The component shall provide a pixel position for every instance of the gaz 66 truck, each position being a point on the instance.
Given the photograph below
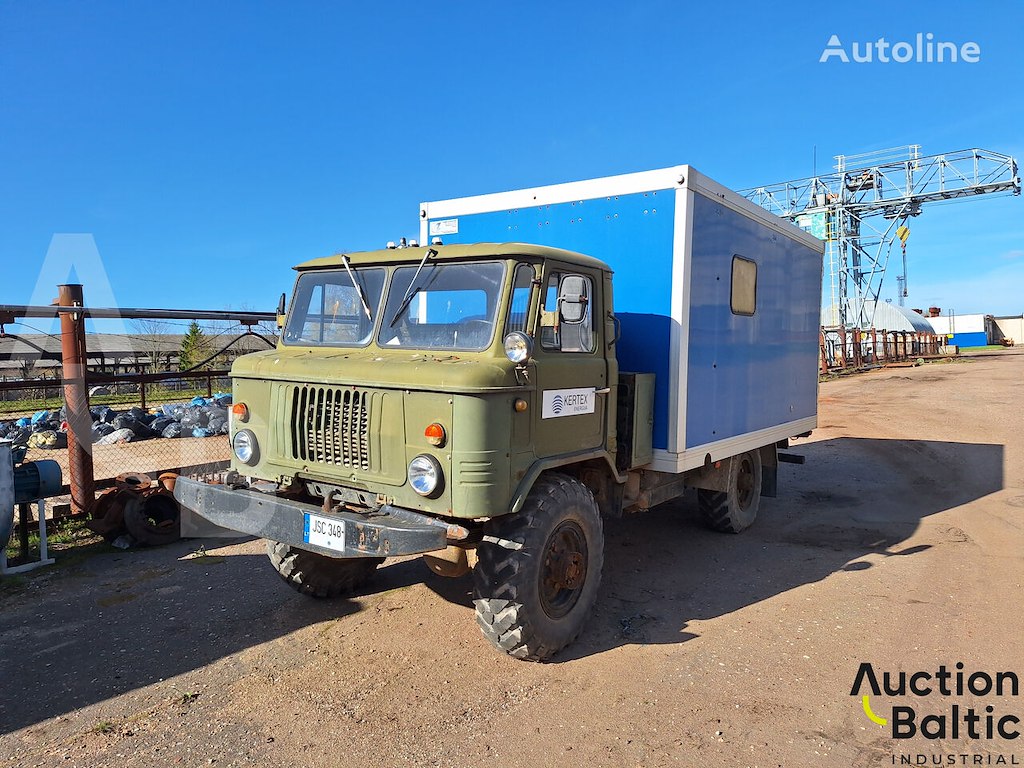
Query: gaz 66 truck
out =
(487, 398)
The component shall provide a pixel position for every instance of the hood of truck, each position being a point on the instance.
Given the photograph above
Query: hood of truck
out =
(405, 369)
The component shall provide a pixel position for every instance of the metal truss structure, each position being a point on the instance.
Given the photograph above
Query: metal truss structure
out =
(862, 207)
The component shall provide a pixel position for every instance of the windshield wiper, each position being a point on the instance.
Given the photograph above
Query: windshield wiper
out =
(358, 287)
(410, 293)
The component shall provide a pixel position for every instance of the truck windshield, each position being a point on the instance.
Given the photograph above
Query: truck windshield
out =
(452, 306)
(328, 311)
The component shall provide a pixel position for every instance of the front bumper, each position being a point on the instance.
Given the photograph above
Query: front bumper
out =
(385, 532)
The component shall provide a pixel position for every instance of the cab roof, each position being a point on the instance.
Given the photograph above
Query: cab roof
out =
(453, 253)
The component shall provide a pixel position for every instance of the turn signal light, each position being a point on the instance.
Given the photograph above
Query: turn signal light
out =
(240, 411)
(435, 434)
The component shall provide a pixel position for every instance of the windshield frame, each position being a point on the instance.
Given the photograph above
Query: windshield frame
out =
(388, 325)
(343, 279)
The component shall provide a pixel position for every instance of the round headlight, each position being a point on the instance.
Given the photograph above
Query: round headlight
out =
(425, 475)
(245, 447)
(518, 347)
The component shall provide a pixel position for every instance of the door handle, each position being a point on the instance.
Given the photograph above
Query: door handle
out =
(604, 391)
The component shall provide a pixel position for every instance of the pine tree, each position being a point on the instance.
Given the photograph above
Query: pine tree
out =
(193, 347)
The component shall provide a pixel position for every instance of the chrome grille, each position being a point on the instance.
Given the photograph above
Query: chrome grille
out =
(331, 426)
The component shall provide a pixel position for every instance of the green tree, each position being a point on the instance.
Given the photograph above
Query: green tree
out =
(193, 347)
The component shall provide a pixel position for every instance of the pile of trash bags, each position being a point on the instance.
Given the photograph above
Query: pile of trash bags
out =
(201, 417)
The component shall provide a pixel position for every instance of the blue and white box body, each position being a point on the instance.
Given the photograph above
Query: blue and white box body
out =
(736, 369)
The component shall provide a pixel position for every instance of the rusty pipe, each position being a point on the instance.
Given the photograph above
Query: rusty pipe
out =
(76, 400)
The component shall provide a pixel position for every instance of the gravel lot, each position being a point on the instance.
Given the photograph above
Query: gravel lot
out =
(898, 543)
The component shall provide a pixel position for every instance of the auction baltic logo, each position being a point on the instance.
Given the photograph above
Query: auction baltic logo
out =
(923, 50)
(962, 720)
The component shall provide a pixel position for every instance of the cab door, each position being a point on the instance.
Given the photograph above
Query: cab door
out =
(571, 371)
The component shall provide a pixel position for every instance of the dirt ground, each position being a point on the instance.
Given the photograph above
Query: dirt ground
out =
(898, 543)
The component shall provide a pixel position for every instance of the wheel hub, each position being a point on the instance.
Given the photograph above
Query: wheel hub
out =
(563, 569)
(745, 482)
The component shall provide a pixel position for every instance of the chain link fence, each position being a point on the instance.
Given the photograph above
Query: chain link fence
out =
(144, 423)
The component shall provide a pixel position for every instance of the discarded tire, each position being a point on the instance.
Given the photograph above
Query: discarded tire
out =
(153, 519)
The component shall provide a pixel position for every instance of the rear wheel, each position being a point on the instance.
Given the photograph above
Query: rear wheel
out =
(734, 510)
(318, 575)
(538, 571)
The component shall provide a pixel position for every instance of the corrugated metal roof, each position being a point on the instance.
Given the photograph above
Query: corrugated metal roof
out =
(889, 317)
(893, 317)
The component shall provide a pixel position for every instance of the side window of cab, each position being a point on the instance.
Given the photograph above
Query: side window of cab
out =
(567, 318)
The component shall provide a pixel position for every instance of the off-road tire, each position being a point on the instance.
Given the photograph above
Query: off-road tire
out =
(318, 575)
(734, 510)
(518, 611)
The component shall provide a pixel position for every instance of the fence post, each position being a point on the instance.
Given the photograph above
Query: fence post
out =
(824, 355)
(76, 400)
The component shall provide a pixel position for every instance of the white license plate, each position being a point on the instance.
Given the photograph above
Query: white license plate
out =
(325, 532)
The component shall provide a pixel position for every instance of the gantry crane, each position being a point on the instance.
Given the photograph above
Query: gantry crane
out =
(861, 209)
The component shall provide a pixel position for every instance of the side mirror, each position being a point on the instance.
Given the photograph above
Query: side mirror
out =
(572, 299)
(281, 304)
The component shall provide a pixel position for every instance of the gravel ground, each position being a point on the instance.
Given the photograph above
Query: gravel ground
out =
(898, 543)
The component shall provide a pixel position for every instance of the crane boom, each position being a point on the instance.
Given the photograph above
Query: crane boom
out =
(859, 208)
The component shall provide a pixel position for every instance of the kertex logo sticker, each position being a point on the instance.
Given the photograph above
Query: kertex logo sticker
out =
(568, 402)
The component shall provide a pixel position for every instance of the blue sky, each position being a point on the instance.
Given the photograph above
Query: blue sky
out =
(208, 147)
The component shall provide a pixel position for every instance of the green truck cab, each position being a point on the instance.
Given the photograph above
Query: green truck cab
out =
(402, 413)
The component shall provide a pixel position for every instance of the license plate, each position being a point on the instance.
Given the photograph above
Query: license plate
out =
(324, 532)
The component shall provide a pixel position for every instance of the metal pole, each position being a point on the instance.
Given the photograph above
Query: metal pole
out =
(76, 400)
(23, 511)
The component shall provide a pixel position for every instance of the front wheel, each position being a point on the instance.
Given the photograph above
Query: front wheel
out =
(318, 575)
(538, 571)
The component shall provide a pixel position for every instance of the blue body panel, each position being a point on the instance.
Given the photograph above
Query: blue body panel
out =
(631, 233)
(742, 373)
(749, 373)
